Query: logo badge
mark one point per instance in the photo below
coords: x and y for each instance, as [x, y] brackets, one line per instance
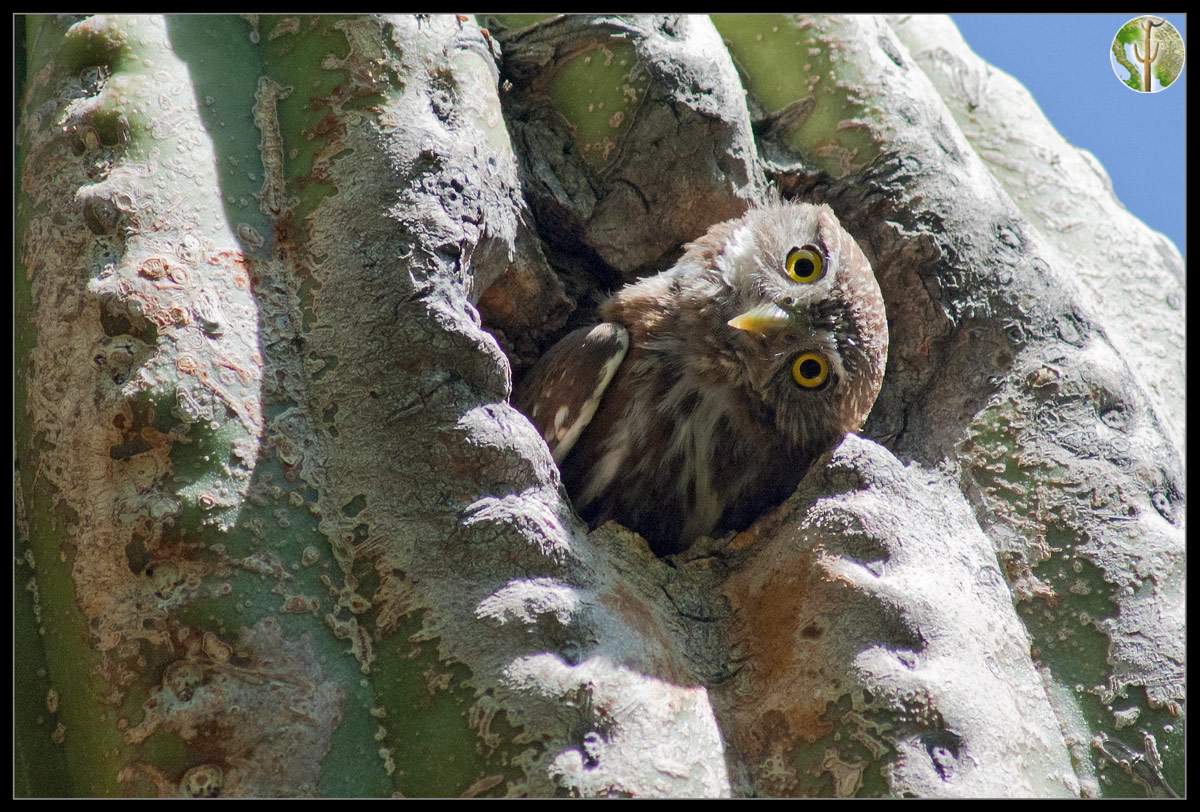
[1147, 54]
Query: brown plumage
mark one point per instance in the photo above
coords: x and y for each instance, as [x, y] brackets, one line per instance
[710, 388]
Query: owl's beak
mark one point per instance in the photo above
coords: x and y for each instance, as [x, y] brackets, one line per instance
[763, 320]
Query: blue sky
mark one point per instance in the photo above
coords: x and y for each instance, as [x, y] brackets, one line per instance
[1063, 60]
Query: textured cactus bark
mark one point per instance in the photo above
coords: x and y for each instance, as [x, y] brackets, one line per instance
[280, 533]
[142, 236]
[1067, 196]
[1003, 375]
[615, 115]
[296, 558]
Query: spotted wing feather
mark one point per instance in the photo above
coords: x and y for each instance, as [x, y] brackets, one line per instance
[561, 392]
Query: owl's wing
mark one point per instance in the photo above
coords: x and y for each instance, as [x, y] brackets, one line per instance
[561, 391]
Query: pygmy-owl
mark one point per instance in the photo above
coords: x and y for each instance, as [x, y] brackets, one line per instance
[710, 388]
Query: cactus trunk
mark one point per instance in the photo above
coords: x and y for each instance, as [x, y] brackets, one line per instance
[280, 533]
[1146, 55]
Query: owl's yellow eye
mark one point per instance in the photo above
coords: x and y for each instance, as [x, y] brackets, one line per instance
[805, 264]
[810, 370]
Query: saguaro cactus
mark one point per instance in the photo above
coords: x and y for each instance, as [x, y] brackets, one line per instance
[280, 533]
[1146, 57]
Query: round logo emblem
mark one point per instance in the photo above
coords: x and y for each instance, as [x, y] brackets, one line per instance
[1147, 54]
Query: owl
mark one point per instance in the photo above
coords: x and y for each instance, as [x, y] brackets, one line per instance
[708, 389]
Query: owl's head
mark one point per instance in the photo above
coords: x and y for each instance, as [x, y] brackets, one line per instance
[805, 318]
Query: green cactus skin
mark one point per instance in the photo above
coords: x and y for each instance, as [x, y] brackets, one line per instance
[212, 195]
[806, 90]
[222, 645]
